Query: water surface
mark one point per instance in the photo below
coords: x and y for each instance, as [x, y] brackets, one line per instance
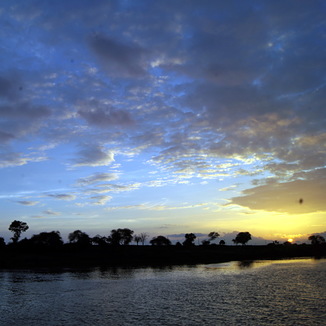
[288, 292]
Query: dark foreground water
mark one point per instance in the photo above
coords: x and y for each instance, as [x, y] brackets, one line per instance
[289, 292]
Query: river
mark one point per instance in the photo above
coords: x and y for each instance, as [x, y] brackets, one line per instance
[284, 292]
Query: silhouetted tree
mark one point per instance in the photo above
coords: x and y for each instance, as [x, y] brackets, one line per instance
[213, 235]
[17, 227]
[160, 241]
[222, 243]
[316, 239]
[242, 237]
[99, 240]
[205, 242]
[120, 236]
[190, 238]
[2, 242]
[273, 243]
[80, 238]
[137, 239]
[143, 237]
[47, 239]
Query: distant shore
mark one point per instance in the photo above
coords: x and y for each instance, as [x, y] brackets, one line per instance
[142, 256]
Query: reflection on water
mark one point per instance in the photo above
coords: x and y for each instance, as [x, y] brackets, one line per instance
[289, 292]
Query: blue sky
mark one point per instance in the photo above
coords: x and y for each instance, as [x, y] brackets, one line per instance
[166, 117]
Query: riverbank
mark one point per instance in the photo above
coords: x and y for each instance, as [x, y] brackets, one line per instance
[73, 256]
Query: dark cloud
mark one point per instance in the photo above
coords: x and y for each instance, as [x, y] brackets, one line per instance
[51, 212]
[106, 116]
[23, 110]
[8, 88]
[119, 59]
[27, 202]
[5, 136]
[67, 197]
[94, 156]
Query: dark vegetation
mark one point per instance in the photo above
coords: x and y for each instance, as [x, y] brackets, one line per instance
[47, 249]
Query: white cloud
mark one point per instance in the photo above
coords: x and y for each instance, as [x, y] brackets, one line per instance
[97, 177]
[100, 200]
[8, 159]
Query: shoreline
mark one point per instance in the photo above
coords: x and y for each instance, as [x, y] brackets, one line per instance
[148, 256]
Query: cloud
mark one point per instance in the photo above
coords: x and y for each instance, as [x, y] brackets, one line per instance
[97, 177]
[229, 188]
[10, 85]
[285, 197]
[94, 156]
[27, 202]
[8, 158]
[105, 115]
[19, 120]
[66, 197]
[50, 212]
[100, 200]
[170, 85]
[118, 58]
[112, 208]
[5, 136]
[118, 187]
[23, 110]
[158, 207]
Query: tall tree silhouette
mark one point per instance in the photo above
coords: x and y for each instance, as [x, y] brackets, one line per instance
[190, 238]
[137, 238]
[121, 236]
[316, 239]
[79, 237]
[17, 227]
[143, 237]
[242, 237]
[47, 239]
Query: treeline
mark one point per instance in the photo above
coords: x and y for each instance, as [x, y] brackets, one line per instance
[47, 249]
[117, 237]
[123, 237]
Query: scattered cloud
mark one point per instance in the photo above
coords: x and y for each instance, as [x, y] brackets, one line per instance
[66, 197]
[12, 159]
[167, 98]
[96, 178]
[27, 202]
[94, 156]
[119, 58]
[51, 212]
[105, 116]
[100, 200]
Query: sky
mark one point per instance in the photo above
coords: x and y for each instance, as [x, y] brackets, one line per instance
[165, 117]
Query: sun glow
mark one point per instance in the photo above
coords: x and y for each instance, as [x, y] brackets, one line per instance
[290, 240]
